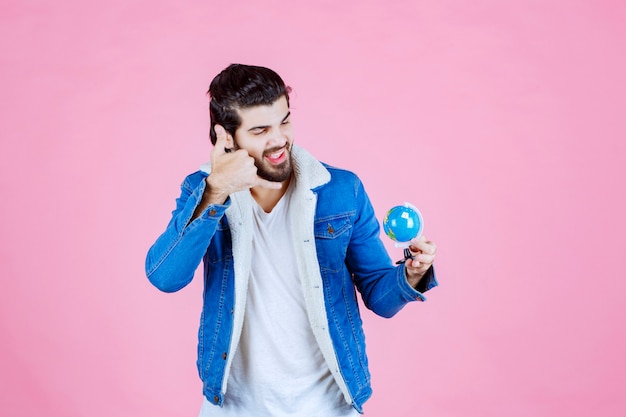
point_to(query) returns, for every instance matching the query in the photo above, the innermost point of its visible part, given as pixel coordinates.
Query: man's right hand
(231, 171)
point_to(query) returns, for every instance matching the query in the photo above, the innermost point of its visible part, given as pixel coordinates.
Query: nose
(277, 139)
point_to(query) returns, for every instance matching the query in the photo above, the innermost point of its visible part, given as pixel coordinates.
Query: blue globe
(403, 223)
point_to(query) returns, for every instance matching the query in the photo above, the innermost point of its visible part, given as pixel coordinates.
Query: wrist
(213, 194)
(413, 277)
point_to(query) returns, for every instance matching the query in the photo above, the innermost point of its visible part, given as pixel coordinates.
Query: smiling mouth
(277, 156)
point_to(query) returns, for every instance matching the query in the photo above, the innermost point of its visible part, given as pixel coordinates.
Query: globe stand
(407, 255)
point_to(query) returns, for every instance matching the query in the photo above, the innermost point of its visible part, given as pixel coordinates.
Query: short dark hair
(241, 86)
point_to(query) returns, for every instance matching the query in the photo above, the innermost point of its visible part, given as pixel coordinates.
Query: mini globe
(403, 223)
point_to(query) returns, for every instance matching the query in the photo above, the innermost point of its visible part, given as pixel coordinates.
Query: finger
(423, 245)
(425, 259)
(416, 241)
(416, 265)
(261, 182)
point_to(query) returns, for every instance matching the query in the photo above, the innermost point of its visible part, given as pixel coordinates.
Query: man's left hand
(423, 251)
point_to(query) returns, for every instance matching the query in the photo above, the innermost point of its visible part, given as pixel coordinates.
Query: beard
(276, 173)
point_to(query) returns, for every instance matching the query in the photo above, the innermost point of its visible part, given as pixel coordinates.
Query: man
(284, 239)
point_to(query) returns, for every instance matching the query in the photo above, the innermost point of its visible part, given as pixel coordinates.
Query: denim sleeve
(383, 286)
(173, 259)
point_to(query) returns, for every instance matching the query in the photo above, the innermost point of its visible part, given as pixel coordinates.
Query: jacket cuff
(212, 211)
(428, 282)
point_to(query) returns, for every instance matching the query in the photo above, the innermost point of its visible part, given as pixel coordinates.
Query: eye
(285, 122)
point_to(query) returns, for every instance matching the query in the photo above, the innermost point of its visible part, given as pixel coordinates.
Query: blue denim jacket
(337, 246)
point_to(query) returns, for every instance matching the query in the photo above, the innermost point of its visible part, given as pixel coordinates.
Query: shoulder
(340, 172)
(344, 188)
(342, 177)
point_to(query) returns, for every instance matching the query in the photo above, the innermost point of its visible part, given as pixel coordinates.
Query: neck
(267, 198)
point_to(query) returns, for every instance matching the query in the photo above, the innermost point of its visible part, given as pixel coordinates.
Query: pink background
(502, 121)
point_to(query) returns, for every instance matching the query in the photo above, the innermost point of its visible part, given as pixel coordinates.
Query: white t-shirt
(278, 369)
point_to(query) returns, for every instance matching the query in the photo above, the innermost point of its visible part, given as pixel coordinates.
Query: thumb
(221, 140)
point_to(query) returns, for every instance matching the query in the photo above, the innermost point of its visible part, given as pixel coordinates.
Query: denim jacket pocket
(332, 235)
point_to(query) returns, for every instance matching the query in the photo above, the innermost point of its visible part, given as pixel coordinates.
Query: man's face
(266, 133)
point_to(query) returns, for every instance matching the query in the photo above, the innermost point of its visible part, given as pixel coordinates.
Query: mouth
(276, 157)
